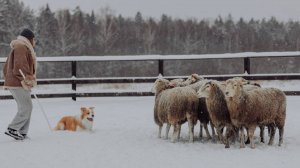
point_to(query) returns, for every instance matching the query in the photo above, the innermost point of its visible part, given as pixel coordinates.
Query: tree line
(74, 32)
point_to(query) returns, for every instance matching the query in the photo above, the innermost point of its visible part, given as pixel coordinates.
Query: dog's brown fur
(71, 123)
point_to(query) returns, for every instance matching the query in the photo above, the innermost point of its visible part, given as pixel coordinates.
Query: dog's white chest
(87, 124)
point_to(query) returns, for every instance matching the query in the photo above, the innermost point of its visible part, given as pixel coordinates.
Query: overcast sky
(281, 9)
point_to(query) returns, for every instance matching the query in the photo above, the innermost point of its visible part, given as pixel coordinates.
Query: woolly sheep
(160, 117)
(175, 106)
(195, 81)
(258, 106)
(190, 80)
(249, 85)
(203, 115)
(217, 108)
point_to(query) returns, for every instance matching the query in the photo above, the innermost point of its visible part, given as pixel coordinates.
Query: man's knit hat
(27, 33)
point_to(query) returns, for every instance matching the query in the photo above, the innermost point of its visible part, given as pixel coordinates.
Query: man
(22, 57)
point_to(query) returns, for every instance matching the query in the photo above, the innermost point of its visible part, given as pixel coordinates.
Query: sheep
(195, 82)
(203, 115)
(175, 106)
(190, 80)
(204, 119)
(177, 82)
(217, 108)
(171, 84)
(248, 85)
(261, 106)
(160, 117)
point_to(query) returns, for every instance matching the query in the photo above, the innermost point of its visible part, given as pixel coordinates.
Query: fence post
(247, 65)
(161, 67)
(74, 74)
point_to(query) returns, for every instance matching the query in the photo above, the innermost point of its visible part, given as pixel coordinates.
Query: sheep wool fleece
(22, 119)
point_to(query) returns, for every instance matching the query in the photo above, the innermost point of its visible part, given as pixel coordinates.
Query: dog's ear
(82, 109)
(92, 108)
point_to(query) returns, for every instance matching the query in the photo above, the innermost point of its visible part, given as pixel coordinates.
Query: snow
(125, 135)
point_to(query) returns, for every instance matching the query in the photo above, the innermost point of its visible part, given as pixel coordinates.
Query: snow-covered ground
(125, 136)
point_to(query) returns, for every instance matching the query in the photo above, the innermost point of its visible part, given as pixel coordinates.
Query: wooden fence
(74, 81)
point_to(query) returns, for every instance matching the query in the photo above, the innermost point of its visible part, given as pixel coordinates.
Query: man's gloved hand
(28, 82)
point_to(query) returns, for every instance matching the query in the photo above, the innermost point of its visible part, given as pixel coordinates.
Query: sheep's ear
(256, 84)
(160, 76)
(245, 82)
(195, 76)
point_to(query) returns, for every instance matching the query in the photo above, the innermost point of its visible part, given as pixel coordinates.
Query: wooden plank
(247, 65)
(151, 80)
(110, 94)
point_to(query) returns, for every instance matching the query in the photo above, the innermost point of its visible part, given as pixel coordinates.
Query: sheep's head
(193, 79)
(176, 82)
(160, 85)
(246, 82)
(206, 89)
(233, 87)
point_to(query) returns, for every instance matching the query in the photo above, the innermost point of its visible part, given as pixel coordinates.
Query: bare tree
(64, 28)
(107, 34)
(149, 36)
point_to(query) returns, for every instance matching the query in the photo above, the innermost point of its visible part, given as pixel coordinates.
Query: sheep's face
(233, 87)
(159, 85)
(205, 90)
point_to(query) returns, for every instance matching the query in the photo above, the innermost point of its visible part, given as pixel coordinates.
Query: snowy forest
(76, 33)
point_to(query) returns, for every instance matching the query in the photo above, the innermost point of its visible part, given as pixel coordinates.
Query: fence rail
(74, 81)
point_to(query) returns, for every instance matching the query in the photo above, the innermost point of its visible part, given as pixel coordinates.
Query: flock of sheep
(230, 105)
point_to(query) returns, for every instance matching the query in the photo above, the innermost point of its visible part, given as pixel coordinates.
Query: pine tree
(13, 18)
(47, 30)
(90, 30)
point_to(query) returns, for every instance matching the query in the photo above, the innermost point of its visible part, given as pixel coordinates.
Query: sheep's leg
(191, 130)
(179, 132)
(248, 139)
(159, 130)
(220, 136)
(229, 130)
(242, 142)
(201, 133)
(281, 130)
(213, 132)
(207, 132)
(236, 134)
(262, 133)
(167, 130)
(251, 133)
(175, 132)
(272, 134)
(269, 130)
